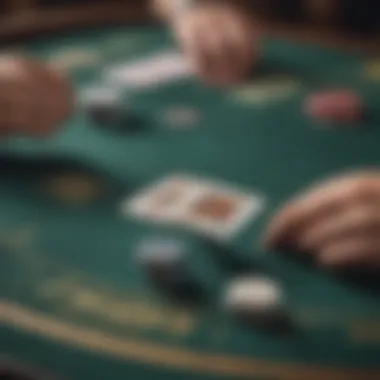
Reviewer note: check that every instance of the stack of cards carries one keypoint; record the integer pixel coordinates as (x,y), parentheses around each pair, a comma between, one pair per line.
(203,206)
(161,68)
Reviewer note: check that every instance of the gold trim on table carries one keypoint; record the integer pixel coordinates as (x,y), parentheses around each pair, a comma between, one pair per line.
(93,340)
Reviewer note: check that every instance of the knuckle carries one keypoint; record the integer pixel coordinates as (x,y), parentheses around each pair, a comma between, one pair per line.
(360,189)
(368,215)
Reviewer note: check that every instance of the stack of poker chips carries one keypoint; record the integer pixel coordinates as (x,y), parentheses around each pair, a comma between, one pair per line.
(250,298)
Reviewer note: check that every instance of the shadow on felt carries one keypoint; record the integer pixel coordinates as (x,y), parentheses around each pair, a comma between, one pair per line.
(365,279)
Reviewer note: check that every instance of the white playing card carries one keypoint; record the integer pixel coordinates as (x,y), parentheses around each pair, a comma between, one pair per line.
(163,202)
(222,211)
(161,68)
(206,207)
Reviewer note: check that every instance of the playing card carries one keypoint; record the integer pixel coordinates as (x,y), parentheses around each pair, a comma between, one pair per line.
(164,201)
(196,204)
(161,68)
(221,211)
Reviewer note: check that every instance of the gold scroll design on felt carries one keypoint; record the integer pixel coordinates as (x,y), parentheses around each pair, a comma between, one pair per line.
(88,299)
(175,357)
(372,69)
(365,333)
(358,329)
(19,242)
(76,293)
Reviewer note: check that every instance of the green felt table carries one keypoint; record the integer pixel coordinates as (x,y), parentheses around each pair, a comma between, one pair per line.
(73,299)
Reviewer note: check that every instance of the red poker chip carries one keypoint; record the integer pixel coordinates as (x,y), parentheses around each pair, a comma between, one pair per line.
(339,106)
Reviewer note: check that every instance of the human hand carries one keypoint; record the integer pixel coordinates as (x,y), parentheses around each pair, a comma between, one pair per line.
(219,40)
(337,221)
(34,98)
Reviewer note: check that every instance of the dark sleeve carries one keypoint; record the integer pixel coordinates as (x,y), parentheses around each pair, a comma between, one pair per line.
(281,10)
(360,16)
(354,16)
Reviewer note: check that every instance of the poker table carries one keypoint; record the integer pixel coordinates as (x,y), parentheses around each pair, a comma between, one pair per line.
(75,304)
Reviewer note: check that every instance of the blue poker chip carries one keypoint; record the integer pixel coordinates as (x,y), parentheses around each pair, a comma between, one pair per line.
(162,253)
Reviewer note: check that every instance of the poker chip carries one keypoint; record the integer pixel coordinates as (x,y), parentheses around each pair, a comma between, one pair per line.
(164,261)
(180,117)
(256,299)
(105,107)
(337,106)
(161,254)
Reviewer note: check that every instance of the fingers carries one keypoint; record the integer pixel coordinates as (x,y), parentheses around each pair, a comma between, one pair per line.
(338,222)
(202,42)
(188,33)
(219,42)
(14,94)
(318,204)
(351,252)
(362,220)
(42,106)
(34,98)
(57,97)
(297,214)
(240,38)
(220,52)
(51,95)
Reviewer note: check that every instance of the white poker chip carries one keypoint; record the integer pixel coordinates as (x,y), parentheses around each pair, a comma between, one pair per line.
(180,117)
(253,294)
